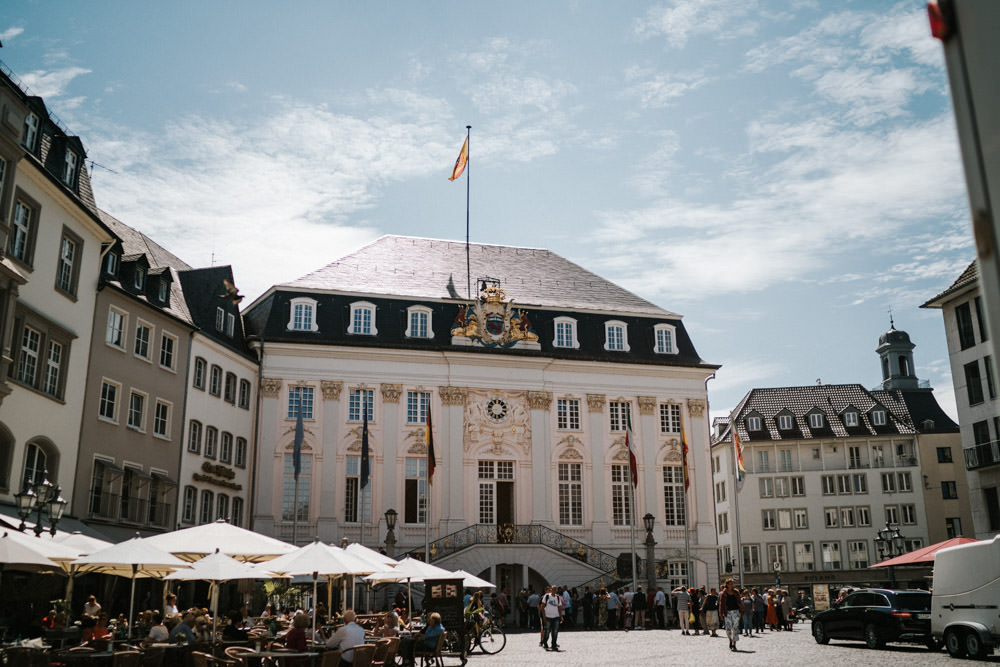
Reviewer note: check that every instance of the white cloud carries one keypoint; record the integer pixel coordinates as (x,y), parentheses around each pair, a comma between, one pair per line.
(10,33)
(656,90)
(53,83)
(682,19)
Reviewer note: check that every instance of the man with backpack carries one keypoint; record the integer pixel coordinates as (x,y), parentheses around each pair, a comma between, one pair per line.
(552,611)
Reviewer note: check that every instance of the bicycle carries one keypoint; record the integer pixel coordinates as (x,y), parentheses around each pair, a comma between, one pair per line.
(484,633)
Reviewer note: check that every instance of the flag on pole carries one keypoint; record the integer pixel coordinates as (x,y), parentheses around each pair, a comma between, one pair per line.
(463,159)
(365,465)
(741,469)
(299,434)
(684,459)
(429,439)
(633,450)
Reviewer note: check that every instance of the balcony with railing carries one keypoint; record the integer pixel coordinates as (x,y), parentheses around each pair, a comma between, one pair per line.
(138,512)
(983,455)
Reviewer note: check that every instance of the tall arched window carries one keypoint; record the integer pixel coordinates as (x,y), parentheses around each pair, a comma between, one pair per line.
(35,465)
(292,507)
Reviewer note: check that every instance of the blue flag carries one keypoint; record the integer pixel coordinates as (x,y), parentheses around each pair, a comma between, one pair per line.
(365,465)
(299,433)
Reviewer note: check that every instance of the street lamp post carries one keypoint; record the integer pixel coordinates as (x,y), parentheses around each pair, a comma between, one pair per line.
(647,522)
(390,535)
(889,543)
(44,499)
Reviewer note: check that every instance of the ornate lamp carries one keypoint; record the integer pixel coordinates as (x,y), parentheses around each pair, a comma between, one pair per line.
(390,536)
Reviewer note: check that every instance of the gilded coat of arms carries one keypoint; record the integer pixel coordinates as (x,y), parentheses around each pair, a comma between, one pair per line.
(493,320)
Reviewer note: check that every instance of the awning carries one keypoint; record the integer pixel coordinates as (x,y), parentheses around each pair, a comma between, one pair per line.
(924,556)
(163,478)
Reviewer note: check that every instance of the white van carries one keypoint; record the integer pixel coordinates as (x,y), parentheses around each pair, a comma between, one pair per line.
(965,605)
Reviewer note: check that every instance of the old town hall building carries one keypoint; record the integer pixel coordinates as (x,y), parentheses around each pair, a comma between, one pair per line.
(530,385)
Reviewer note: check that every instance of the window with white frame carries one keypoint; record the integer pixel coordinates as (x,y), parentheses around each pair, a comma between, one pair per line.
(888,482)
(108,408)
(168,345)
(237,517)
(230,324)
(295,507)
(161,419)
(798,486)
(53,369)
(766,487)
(226,447)
(778,553)
(215,381)
(831,555)
(418,322)
(905,482)
(908,514)
(200,368)
(36,462)
(115,334)
(785,422)
(670,418)
(892,514)
(416,406)
(570,494)
(137,410)
(878,417)
(28,360)
(207,507)
(829,485)
(864,515)
(139,278)
(857,553)
(68,269)
(300,398)
(240,459)
(621,498)
(751,558)
(111,263)
(846,517)
(784,460)
(29,135)
(664,336)
(358,400)
(844,485)
(815,421)
(190,500)
(211,441)
(415,500)
(302,315)
(163,291)
(244,400)
(568,414)
(143,335)
(565,333)
(673,495)
(801,517)
(21,242)
(618,415)
(859,482)
(357,501)
(362,319)
(194,437)
(804,558)
(722,523)
(677,574)
(763,461)
(223,507)
(229,390)
(220,318)
(831,517)
(753,423)
(850,418)
(781,487)
(616,336)
(768,519)
(784,519)
(69,168)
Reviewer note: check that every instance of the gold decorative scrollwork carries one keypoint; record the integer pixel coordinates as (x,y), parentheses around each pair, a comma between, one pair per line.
(391,392)
(331,389)
(270,387)
(505,533)
(539,400)
(452,395)
(647,405)
(595,402)
(696,407)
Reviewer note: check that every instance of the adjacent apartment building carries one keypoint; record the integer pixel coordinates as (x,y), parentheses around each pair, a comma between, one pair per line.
(973,371)
(530,382)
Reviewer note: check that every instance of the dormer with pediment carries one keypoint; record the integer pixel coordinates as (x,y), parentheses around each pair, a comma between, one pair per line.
(134,272)
(850,417)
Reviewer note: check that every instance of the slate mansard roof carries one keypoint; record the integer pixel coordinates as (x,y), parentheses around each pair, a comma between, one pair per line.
(908,412)
(396,272)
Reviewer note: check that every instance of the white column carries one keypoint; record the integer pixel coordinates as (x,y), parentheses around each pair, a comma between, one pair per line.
(451,463)
(600,528)
(327,477)
(648,447)
(266,500)
(541,457)
(389,471)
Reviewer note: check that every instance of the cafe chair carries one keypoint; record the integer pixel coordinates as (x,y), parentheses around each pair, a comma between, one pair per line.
(430,657)
(331,658)
(381,648)
(126,659)
(153,657)
(389,658)
(26,657)
(363,654)
(239,653)
(199,659)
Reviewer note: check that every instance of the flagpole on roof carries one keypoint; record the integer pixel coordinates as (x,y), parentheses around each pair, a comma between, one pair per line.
(737,485)
(468,264)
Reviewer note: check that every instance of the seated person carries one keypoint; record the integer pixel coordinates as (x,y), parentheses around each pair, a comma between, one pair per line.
(97,629)
(234,632)
(183,631)
(158,631)
(390,625)
(296,637)
(426,640)
(203,629)
(347,637)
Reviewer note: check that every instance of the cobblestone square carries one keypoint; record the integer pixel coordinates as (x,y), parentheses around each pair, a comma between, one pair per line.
(669,647)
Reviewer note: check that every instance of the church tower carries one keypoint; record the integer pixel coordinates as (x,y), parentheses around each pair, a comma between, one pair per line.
(896,354)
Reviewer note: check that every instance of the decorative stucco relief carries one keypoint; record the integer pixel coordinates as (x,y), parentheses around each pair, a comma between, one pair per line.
(270,387)
(595,402)
(500,417)
(672,450)
(696,407)
(331,389)
(352,440)
(391,392)
(647,405)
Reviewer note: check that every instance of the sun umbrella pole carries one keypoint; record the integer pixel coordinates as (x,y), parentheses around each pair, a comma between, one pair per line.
(315,577)
(215,613)
(131,602)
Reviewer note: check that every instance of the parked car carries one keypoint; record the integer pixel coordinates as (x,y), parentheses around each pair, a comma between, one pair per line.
(966,592)
(877,616)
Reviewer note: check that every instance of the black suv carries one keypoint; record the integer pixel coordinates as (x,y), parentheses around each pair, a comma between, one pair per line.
(878,616)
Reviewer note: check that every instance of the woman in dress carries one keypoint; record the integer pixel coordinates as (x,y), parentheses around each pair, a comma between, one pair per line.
(772,611)
(602,609)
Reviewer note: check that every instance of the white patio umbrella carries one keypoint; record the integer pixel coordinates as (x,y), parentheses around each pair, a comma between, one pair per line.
(82,545)
(319,559)
(132,558)
(63,554)
(239,543)
(470,580)
(16,555)
(369,554)
(411,570)
(216,568)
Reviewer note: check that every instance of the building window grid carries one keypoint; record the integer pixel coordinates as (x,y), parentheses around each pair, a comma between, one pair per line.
(568,414)
(53,369)
(211,440)
(615,337)
(19,245)
(417,403)
(109,401)
(565,330)
(357,501)
(300,398)
(768,519)
(801,516)
(136,410)
(194,437)
(570,494)
(357,399)
(116,328)
(664,339)
(621,497)
(161,419)
(857,551)
(751,558)
(240,460)
(798,486)
(167,345)
(670,418)
(27,366)
(804,559)
(296,508)
(226,447)
(619,413)
(673,496)
(831,555)
(143,333)
(215,381)
(65,274)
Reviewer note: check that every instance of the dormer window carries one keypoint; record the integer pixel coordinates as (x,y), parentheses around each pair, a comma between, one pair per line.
(664,343)
(851,419)
(565,330)
(230,324)
(418,322)
(878,417)
(362,319)
(753,423)
(69,168)
(163,291)
(616,336)
(139,280)
(220,318)
(816,420)
(785,422)
(302,315)
(30,138)
(111,264)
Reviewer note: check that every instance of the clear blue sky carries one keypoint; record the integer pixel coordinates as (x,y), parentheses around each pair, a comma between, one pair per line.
(780,173)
